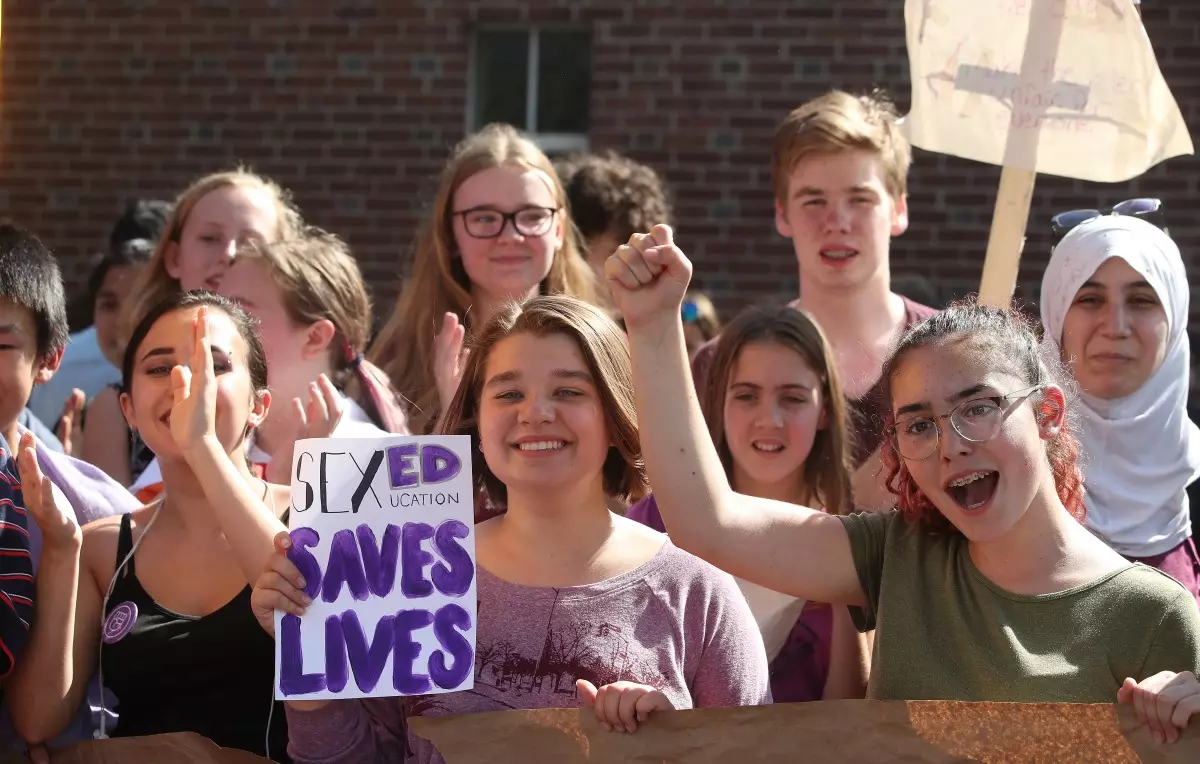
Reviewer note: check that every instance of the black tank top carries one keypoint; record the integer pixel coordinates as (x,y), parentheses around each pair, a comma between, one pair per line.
(213,675)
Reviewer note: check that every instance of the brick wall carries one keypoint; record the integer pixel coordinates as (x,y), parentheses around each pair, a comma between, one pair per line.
(353,104)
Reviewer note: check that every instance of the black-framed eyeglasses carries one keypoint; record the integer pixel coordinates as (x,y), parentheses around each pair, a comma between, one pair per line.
(977,420)
(488,223)
(1150,210)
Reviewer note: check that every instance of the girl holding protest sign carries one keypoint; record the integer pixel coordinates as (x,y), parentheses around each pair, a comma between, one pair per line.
(194,376)
(1115,307)
(576,604)
(776,412)
(314,317)
(985,562)
(500,229)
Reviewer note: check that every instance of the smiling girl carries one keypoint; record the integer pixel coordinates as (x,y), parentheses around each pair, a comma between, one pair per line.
(984,585)
(499,230)
(1115,306)
(576,604)
(776,412)
(174,572)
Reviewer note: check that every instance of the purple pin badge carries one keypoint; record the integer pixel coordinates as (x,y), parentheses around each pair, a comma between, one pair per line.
(119,622)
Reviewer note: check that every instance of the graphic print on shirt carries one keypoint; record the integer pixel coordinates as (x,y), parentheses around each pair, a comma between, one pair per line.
(538,669)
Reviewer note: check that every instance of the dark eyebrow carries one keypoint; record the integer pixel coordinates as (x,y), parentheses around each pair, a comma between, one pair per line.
(756,386)
(961,395)
(157,352)
(578,374)
(807,191)
(513,374)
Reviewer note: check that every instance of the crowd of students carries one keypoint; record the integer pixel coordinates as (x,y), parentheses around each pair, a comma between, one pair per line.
(865,496)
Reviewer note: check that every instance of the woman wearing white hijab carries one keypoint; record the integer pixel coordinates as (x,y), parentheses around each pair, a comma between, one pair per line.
(1114,303)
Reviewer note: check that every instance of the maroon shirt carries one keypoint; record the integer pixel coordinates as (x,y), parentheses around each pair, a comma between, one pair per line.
(867,414)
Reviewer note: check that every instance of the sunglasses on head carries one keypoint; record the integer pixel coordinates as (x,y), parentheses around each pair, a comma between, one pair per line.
(1150,210)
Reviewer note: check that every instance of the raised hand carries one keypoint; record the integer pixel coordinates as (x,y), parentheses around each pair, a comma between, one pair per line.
(449,358)
(318,420)
(648,277)
(621,705)
(280,587)
(70,425)
(60,530)
(194,390)
(1164,703)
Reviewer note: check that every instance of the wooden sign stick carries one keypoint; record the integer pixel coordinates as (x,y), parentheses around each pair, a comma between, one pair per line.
(1011,215)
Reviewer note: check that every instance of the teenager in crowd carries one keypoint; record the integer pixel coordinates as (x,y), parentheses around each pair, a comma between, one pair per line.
(776,412)
(113,278)
(174,572)
(86,366)
(1115,306)
(839,172)
(33,331)
(547,402)
(612,196)
(314,319)
(500,229)
(984,585)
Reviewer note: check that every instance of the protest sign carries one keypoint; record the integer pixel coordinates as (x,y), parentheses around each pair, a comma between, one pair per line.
(175,747)
(1062,87)
(833,732)
(383,532)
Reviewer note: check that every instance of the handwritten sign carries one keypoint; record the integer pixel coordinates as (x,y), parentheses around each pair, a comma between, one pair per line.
(1061,87)
(383,533)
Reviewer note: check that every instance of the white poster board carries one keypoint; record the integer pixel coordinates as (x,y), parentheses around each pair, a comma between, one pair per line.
(383,532)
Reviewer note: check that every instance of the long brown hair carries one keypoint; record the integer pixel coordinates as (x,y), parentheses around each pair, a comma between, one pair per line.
(439,283)
(154,283)
(606,354)
(826,471)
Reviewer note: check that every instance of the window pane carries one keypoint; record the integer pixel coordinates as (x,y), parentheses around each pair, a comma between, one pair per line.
(564,81)
(501,77)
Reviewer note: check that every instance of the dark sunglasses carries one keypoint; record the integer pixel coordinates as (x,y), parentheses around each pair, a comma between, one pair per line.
(1150,210)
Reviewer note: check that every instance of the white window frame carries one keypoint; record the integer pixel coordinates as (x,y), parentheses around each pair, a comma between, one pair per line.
(548,142)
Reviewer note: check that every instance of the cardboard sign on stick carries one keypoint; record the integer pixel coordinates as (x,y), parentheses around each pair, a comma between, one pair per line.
(1062,87)
(383,533)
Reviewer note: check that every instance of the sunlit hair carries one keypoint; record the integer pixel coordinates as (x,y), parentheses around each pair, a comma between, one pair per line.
(698,309)
(439,282)
(319,279)
(154,283)
(606,354)
(1011,342)
(826,471)
(838,122)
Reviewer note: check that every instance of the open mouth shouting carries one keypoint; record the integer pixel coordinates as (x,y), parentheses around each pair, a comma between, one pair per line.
(973,490)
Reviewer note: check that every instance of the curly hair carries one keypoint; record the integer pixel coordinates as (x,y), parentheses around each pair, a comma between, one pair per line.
(1008,335)
(611,193)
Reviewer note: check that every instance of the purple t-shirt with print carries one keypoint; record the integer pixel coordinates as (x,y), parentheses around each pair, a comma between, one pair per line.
(676,623)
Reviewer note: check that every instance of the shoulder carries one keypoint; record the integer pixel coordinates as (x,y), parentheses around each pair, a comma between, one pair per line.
(282,495)
(104,410)
(645,511)
(1147,587)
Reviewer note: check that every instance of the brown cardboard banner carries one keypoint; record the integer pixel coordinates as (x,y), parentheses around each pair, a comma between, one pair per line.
(177,748)
(836,732)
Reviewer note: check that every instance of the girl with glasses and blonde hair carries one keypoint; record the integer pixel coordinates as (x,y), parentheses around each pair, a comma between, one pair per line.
(983,585)
(500,230)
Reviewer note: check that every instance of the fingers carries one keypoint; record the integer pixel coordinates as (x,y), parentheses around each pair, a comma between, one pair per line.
(1125,693)
(27,464)
(318,410)
(586,691)
(627,708)
(273,589)
(663,235)
(1187,708)
(650,702)
(200,362)
(181,384)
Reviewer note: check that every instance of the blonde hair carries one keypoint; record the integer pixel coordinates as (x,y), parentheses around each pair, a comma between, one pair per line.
(705,313)
(154,283)
(837,122)
(319,279)
(606,354)
(439,284)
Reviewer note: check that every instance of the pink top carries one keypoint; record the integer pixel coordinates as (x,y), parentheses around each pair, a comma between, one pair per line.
(676,623)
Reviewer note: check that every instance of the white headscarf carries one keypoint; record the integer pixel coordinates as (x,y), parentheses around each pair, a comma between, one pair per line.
(1141,451)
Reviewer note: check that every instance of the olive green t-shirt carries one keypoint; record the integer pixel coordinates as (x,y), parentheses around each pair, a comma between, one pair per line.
(944,632)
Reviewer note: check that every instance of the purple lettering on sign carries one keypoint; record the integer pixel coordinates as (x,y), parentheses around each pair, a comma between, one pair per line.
(413,559)
(438,464)
(407,650)
(380,564)
(298,553)
(451,619)
(345,638)
(119,622)
(292,679)
(344,566)
(402,469)
(336,671)
(454,576)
